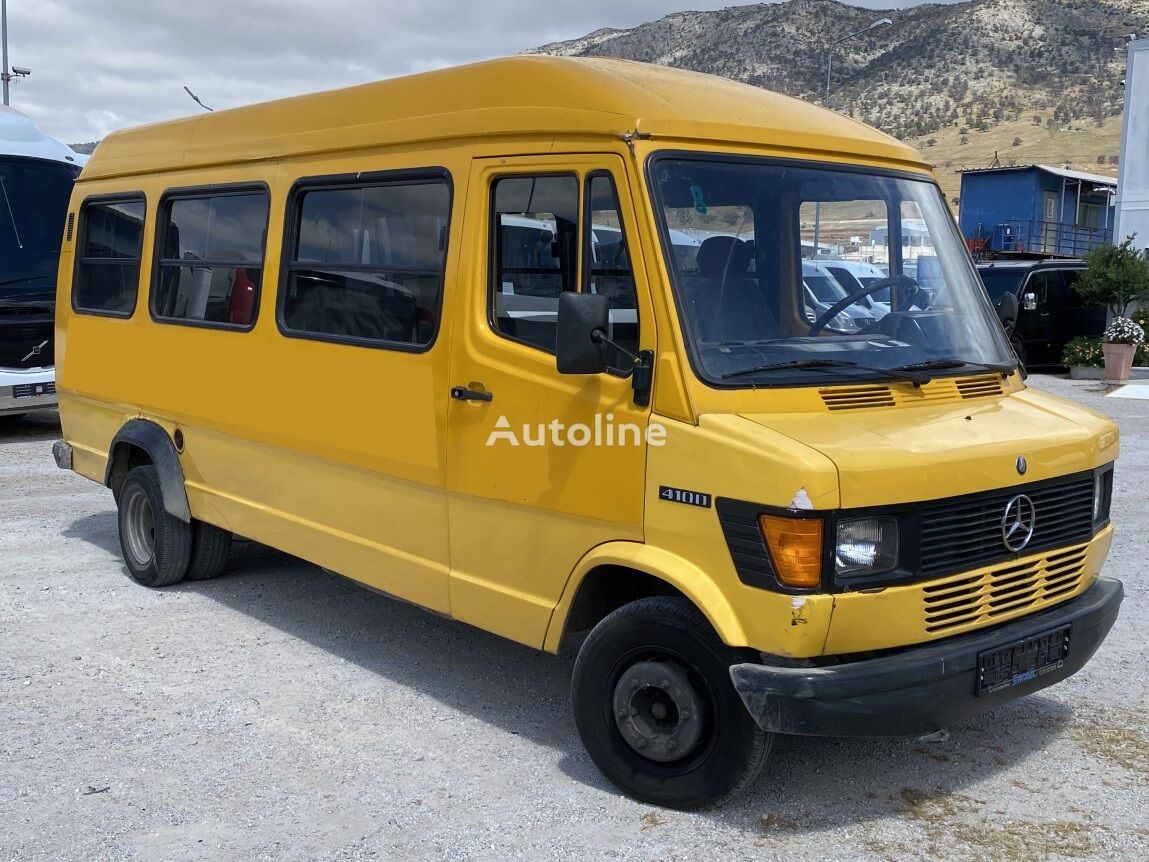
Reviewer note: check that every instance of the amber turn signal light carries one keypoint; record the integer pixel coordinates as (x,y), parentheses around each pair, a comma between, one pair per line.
(795,547)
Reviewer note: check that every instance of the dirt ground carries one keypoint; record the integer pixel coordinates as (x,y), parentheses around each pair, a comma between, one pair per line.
(284,713)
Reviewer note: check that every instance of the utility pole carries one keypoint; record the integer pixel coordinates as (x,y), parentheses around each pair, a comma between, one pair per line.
(7,75)
(4,40)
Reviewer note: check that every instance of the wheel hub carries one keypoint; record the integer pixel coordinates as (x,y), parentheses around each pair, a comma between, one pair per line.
(139,527)
(658,711)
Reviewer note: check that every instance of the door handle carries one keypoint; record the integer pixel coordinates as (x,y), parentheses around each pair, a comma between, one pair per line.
(462,393)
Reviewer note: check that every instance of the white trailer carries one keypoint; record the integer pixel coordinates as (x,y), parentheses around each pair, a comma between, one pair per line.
(1133,179)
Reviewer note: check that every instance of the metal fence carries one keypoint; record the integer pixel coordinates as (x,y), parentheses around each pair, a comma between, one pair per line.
(1034,236)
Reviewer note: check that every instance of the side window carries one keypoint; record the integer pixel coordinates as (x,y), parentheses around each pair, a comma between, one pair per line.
(108,261)
(534,251)
(1072,297)
(1038,285)
(211,258)
(608,266)
(366,265)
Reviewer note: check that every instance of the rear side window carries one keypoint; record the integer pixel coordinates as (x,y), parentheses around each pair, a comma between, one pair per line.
(366,262)
(210,258)
(108,262)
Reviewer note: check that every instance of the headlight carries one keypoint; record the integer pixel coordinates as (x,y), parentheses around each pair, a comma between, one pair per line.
(1102,495)
(866,546)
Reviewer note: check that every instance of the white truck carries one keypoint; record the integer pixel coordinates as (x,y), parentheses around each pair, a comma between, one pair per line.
(36,177)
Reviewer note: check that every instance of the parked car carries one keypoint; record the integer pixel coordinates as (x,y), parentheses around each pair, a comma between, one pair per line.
(854,275)
(823,290)
(1050,310)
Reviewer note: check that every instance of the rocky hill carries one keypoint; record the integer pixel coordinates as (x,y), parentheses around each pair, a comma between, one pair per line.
(965,68)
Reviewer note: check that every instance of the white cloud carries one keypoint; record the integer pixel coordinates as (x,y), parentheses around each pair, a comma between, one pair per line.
(100,65)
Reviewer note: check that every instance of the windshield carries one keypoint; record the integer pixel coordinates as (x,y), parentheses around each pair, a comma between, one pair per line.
(755,296)
(33,203)
(999,282)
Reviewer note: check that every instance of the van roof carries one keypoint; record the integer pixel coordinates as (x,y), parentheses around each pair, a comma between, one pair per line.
(524,95)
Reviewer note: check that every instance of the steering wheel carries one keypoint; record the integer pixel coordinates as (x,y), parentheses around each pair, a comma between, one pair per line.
(902,281)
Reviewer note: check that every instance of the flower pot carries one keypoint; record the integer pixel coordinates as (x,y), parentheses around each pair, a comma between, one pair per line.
(1118,361)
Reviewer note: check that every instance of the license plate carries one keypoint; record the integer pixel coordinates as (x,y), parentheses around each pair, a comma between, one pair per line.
(1021,661)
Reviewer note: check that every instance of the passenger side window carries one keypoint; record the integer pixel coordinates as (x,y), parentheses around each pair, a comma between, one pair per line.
(367,262)
(108,260)
(608,266)
(535,251)
(211,258)
(1038,285)
(1072,297)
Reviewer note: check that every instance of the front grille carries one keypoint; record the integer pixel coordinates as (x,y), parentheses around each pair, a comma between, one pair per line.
(960,534)
(1003,592)
(20,336)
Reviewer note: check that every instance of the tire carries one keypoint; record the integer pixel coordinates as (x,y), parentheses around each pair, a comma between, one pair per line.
(1019,352)
(662,651)
(156,546)
(211,547)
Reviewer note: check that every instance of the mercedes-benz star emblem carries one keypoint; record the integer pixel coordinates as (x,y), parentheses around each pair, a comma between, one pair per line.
(1017,523)
(1021,465)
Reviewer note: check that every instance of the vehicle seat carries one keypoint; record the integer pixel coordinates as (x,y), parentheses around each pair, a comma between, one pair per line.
(725,303)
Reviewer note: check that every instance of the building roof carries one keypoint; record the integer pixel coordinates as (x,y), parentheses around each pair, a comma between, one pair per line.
(19,136)
(1099,179)
(526,96)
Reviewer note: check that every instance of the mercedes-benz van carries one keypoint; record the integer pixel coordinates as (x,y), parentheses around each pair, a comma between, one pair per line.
(331,324)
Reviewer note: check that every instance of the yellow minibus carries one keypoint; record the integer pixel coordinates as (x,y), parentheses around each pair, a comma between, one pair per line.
(538,344)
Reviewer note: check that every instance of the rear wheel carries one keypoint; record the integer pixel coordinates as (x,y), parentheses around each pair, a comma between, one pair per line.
(657,711)
(156,546)
(211,547)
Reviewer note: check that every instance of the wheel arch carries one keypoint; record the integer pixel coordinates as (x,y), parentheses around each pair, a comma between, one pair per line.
(615,573)
(144,441)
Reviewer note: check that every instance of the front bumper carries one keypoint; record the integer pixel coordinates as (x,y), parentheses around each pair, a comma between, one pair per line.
(921,689)
(22,391)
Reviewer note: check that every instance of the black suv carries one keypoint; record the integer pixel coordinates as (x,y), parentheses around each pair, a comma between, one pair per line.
(1050,312)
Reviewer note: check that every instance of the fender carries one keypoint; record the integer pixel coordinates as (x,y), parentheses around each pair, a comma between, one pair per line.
(155,441)
(681,574)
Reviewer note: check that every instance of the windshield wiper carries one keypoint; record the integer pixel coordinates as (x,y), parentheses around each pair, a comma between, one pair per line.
(829,364)
(953,362)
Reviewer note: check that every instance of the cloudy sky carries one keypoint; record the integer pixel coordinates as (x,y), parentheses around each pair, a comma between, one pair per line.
(99,65)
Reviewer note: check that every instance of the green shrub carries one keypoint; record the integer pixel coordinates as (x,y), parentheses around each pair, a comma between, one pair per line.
(1114,275)
(1085,352)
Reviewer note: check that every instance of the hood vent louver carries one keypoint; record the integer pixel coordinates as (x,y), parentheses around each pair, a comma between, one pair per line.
(938,391)
(855,397)
(980,387)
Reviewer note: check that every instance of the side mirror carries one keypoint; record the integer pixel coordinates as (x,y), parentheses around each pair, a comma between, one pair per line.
(1029,303)
(577,349)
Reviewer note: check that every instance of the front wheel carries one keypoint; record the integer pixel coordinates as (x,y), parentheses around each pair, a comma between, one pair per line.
(656,710)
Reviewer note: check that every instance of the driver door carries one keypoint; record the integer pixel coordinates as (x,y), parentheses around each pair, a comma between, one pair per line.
(525,500)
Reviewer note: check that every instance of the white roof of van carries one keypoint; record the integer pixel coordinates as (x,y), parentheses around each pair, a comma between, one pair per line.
(19,136)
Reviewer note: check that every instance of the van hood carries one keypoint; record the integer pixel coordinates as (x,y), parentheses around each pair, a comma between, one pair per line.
(909,454)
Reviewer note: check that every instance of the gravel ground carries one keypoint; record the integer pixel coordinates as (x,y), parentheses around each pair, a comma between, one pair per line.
(284,713)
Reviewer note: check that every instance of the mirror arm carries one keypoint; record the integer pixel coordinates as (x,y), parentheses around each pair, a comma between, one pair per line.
(641,373)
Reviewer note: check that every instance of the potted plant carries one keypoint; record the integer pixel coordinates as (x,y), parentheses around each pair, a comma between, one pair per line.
(1119,343)
(1116,276)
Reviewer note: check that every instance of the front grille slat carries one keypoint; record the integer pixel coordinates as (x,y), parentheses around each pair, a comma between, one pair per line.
(1008,590)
